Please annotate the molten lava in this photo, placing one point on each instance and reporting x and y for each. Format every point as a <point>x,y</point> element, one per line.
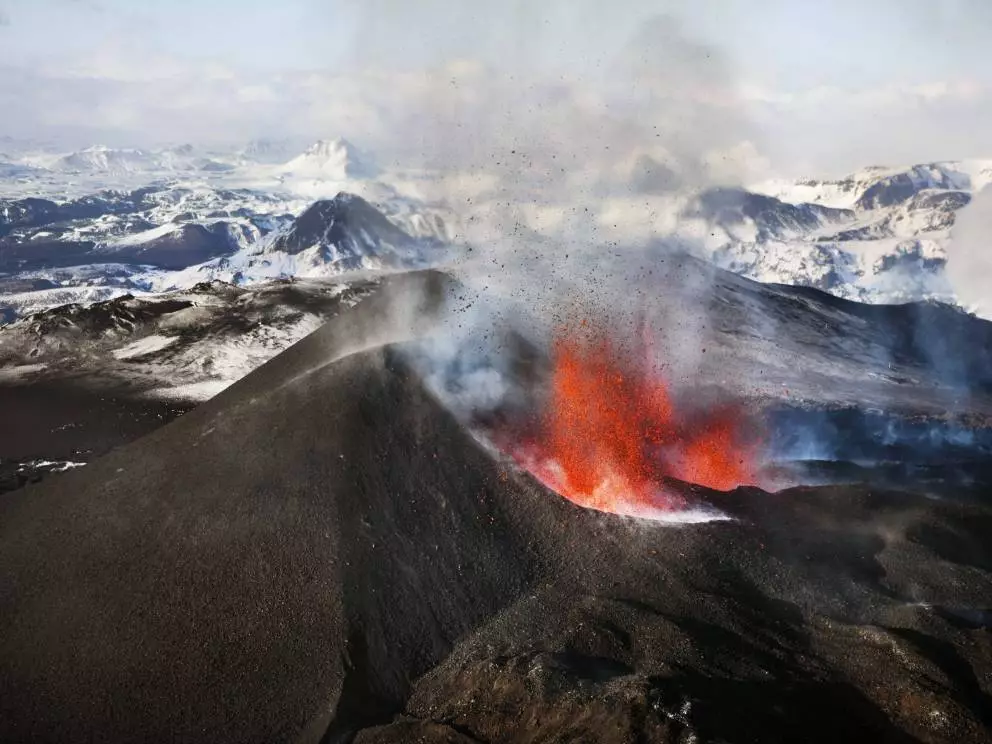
<point>611,433</point>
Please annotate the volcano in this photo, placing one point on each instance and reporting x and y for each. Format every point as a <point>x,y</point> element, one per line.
<point>324,552</point>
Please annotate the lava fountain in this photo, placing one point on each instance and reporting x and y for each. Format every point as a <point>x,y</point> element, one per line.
<point>611,432</point>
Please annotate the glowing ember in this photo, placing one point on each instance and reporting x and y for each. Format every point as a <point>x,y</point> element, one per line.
<point>611,433</point>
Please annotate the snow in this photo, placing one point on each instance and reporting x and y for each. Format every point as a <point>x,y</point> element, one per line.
<point>191,392</point>
<point>204,369</point>
<point>329,160</point>
<point>51,465</point>
<point>12,374</point>
<point>878,254</point>
<point>26,303</point>
<point>147,236</point>
<point>146,345</point>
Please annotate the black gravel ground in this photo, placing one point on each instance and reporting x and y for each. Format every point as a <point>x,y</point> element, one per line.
<point>63,422</point>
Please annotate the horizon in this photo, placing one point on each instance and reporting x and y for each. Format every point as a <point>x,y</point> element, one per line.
<point>772,88</point>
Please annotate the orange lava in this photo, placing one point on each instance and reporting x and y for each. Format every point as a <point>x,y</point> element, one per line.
<point>611,433</point>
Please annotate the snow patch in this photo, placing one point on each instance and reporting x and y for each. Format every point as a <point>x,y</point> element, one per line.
<point>9,374</point>
<point>50,465</point>
<point>147,345</point>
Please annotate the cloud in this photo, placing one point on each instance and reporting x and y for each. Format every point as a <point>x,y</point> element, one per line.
<point>905,95</point>
<point>831,131</point>
<point>969,254</point>
<point>661,101</point>
<point>649,110</point>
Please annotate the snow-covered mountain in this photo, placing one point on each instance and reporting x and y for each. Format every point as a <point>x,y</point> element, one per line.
<point>882,186</point>
<point>188,344</point>
<point>879,235</point>
<point>107,161</point>
<point>173,236</point>
<point>168,226</point>
<point>331,160</point>
<point>266,151</point>
<point>178,216</point>
<point>332,237</point>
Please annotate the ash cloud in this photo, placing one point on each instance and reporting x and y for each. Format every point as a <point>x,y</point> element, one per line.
<point>572,186</point>
<point>660,115</point>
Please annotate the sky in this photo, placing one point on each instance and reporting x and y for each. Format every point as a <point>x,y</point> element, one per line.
<point>793,87</point>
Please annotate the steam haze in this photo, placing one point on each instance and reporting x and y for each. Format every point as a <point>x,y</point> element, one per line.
<point>757,88</point>
<point>969,256</point>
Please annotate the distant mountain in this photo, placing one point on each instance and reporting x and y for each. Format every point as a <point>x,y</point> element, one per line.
<point>879,186</point>
<point>331,237</point>
<point>120,240</point>
<point>336,160</point>
<point>107,160</point>
<point>174,236</point>
<point>749,216</point>
<point>122,162</point>
<point>267,151</point>
<point>188,344</point>
<point>879,235</point>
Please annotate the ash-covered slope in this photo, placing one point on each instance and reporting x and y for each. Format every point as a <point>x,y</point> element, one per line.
<point>188,344</point>
<point>77,380</point>
<point>322,551</point>
<point>838,379</point>
<point>248,578</point>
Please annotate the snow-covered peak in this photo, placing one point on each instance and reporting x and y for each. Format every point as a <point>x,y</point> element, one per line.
<point>877,187</point>
<point>119,163</point>
<point>335,160</point>
<point>106,159</point>
<point>266,151</point>
<point>346,220</point>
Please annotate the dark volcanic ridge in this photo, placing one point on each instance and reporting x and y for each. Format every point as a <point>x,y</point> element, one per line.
<point>324,553</point>
<point>214,331</point>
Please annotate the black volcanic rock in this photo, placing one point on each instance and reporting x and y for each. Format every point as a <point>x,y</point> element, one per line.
<point>121,314</point>
<point>43,254</point>
<point>48,424</point>
<point>32,212</point>
<point>272,608</point>
<point>951,346</point>
<point>188,245</point>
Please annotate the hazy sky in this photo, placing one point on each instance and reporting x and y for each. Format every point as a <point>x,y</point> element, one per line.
<point>811,85</point>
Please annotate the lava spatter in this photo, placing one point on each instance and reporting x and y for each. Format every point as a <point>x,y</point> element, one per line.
<point>611,432</point>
